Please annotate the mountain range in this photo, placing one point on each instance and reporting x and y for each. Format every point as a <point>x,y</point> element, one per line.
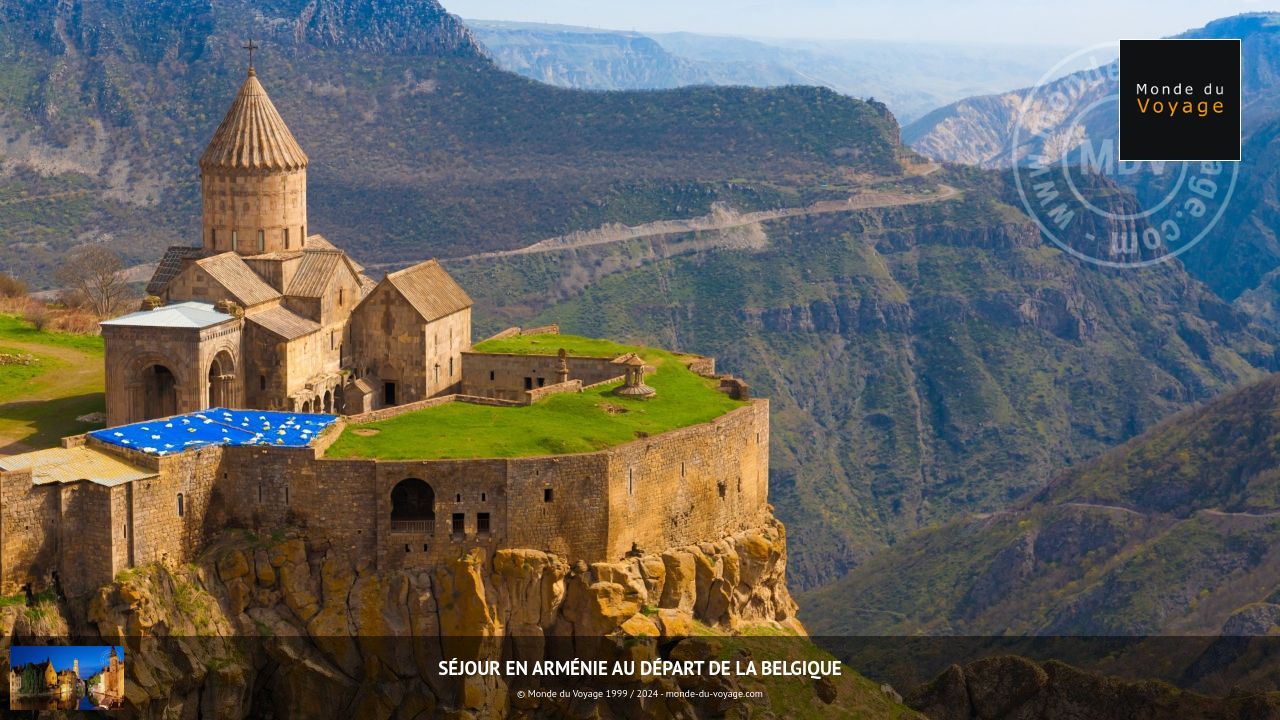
<point>980,130</point>
<point>1172,533</point>
<point>911,78</point>
<point>928,355</point>
<point>420,145</point>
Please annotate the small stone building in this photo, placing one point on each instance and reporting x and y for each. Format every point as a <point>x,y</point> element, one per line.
<point>264,314</point>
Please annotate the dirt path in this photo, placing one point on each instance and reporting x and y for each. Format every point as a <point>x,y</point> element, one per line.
<point>1254,516</point>
<point>85,368</point>
<point>1098,506</point>
<point>50,196</point>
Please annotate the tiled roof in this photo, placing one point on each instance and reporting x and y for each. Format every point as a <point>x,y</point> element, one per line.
<point>253,136</point>
<point>283,322</point>
<point>63,465</point>
<point>314,273</point>
<point>318,242</point>
<point>231,271</point>
<point>170,265</point>
<point>430,290</point>
<point>178,315</point>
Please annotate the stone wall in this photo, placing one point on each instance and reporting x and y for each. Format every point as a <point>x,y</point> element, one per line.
<point>188,353</point>
<point>28,531</point>
<point>245,202</point>
<point>85,522</point>
<point>680,488</point>
<point>158,532</point>
<point>508,376</point>
<point>688,485</point>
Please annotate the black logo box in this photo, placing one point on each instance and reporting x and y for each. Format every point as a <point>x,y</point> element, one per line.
<point>1190,64</point>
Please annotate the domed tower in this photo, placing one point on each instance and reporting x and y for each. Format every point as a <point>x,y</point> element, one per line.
<point>253,179</point>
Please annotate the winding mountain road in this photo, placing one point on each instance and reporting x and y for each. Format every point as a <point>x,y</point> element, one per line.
<point>720,218</point>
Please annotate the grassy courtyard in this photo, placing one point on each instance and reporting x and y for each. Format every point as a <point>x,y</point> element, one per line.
<point>47,380</point>
<point>566,423</point>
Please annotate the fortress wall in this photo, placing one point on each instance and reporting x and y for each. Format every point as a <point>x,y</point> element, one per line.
<point>84,527</point>
<point>691,485</point>
<point>268,486</point>
<point>341,503</point>
<point>121,528</point>
<point>574,523</point>
<point>465,487</point>
<point>159,532</point>
<point>28,531</point>
<point>499,375</point>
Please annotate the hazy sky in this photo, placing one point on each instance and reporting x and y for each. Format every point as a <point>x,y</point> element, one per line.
<point>1040,22</point>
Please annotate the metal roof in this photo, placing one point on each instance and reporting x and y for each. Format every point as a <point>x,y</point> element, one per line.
<point>64,465</point>
<point>178,315</point>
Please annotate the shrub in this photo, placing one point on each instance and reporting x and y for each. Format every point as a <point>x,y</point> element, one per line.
<point>38,315</point>
<point>11,286</point>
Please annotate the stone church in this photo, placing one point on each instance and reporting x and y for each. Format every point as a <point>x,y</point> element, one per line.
<point>264,314</point>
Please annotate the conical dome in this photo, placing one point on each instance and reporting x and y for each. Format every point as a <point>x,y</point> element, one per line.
<point>253,136</point>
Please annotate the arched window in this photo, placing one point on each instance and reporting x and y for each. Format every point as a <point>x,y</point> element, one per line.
<point>181,509</point>
<point>262,241</point>
<point>286,238</point>
<point>413,507</point>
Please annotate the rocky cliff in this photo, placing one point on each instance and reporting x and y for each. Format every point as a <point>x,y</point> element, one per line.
<point>284,627</point>
<point>1002,688</point>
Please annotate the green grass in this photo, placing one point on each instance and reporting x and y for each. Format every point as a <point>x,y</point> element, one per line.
<point>566,423</point>
<point>40,403</point>
<point>551,344</point>
<point>15,328</point>
<point>15,380</point>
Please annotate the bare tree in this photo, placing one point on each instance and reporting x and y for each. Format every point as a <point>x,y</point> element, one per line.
<point>97,275</point>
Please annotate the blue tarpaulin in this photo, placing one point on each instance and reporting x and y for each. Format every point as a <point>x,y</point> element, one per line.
<point>217,426</point>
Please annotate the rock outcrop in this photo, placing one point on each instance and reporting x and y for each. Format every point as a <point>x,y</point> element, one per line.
<point>295,626</point>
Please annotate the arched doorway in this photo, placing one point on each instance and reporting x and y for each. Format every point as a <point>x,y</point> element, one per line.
<point>306,406</point>
<point>339,403</point>
<point>222,380</point>
<point>328,401</point>
<point>159,392</point>
<point>413,507</point>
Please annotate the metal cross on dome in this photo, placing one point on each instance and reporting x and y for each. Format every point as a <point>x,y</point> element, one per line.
<point>251,47</point>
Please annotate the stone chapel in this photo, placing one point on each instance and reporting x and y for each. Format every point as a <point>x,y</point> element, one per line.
<point>264,314</point>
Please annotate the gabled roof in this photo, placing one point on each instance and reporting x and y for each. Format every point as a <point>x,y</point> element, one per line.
<point>233,273</point>
<point>318,242</point>
<point>170,265</point>
<point>253,136</point>
<point>178,315</point>
<point>314,273</point>
<point>430,290</point>
<point>280,321</point>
